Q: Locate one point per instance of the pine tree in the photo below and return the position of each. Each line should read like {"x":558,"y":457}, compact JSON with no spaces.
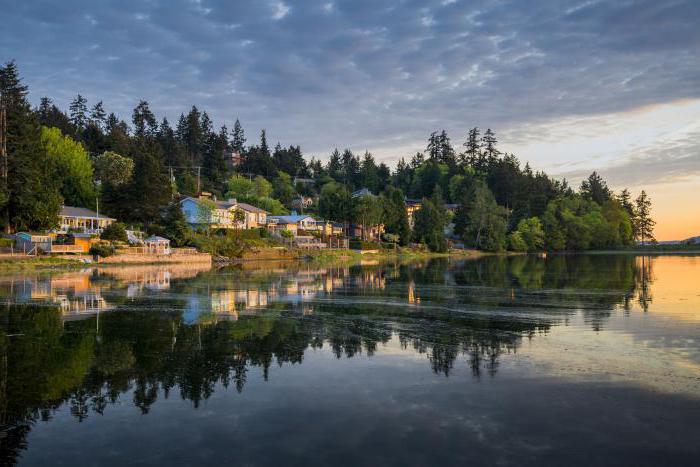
{"x":145,"y":123}
{"x":446,"y":152}
{"x":644,"y":224}
{"x":264,"y":148}
{"x":335,"y":166}
{"x":29,"y":197}
{"x":595,"y":189}
{"x":78,"y":112}
{"x":433,"y":148}
{"x":472,"y":144}
{"x":98,"y":115}
{"x":488,"y":143}
{"x":238,"y":138}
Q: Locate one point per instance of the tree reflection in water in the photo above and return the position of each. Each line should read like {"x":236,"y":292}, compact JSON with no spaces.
{"x":442,"y":309}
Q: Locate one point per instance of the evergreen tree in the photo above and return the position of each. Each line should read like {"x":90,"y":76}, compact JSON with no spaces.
{"x":395,"y":215}
{"x":369,"y":174}
{"x":471,"y":153}
{"x":78,"y":112}
{"x":144,"y":121}
{"x":595,"y":189}
{"x":264,"y":148}
{"x":29,"y":197}
{"x":214,"y":164}
{"x":238,"y":137}
{"x":98,"y":115}
{"x":51,"y":116}
{"x":428,"y":226}
{"x":644,"y":225}
{"x":351,"y":170}
{"x":335,"y":166}
{"x":488,"y":143}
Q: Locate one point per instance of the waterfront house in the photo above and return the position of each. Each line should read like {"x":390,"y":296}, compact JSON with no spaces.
{"x":33,"y":243}
{"x":254,"y":217}
{"x":228,"y":214}
{"x":293,"y":223}
{"x":73,"y":218}
{"x":205,"y":212}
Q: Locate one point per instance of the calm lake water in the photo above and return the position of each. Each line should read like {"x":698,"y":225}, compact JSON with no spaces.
{"x":569,"y":360}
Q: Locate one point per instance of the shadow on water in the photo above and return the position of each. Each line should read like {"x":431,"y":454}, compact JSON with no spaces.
{"x":82,"y":340}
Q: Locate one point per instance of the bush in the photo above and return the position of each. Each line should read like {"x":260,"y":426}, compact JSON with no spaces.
{"x":115,"y":231}
{"x":359,"y":244}
{"x":102,"y":249}
{"x":229,"y":246}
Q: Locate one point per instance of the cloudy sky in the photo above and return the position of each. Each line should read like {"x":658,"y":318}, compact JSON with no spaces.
{"x":569,"y":86}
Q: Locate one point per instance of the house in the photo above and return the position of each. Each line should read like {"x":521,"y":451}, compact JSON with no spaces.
{"x":229,"y":214}
{"x":85,"y":220}
{"x":156,"y":245}
{"x":293,"y":223}
{"x":73,"y":243}
{"x":205,"y":212}
{"x":254,"y":217}
{"x":33,"y":243}
{"x":302,"y":202}
{"x":233,"y":158}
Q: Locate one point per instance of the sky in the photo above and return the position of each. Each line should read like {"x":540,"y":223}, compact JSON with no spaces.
{"x":568,"y":86}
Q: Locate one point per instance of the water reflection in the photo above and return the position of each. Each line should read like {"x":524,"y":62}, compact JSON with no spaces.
{"x":185,"y":330}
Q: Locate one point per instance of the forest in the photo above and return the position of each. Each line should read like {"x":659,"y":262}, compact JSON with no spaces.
{"x":138,"y":170}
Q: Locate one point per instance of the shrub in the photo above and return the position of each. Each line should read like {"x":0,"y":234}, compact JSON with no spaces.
{"x":115,"y":231}
{"x":102,"y":249}
{"x":359,"y":244}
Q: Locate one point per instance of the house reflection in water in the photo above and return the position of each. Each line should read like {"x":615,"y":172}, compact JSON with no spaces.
{"x":74,"y":293}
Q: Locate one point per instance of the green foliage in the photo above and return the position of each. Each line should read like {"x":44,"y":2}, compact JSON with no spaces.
{"x":395,"y":215}
{"x":360,"y":244}
{"x":367,"y":211}
{"x":112,"y":168}
{"x":173,"y":226}
{"x":287,"y":234}
{"x":482,"y":222}
{"x":229,"y":246}
{"x":644,"y":224}
{"x":429,"y":223}
{"x":282,"y":188}
{"x":116,"y":231}
{"x":31,"y":198}
{"x":102,"y":249}
{"x":335,"y":203}
{"x":575,"y":223}
{"x":73,"y":167}
{"x":529,"y":236}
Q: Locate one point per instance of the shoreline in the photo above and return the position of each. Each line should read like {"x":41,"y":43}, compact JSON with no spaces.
{"x":51,"y":263}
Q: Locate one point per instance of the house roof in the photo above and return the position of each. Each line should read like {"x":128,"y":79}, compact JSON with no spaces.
{"x":250,"y":207}
{"x":74,"y":211}
{"x":227,"y":204}
{"x":361,"y":192}
{"x":291,"y":219}
{"x":156,"y":238}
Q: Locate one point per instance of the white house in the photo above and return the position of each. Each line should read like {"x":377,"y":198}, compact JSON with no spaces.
{"x":292,"y":223}
{"x":75,"y":218}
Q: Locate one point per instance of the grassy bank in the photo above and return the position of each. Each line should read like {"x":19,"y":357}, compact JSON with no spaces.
{"x":23,"y":263}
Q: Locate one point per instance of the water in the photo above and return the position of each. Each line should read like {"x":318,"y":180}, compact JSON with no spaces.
{"x":569,"y":360}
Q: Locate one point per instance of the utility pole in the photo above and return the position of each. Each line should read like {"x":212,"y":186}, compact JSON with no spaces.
{"x":199,"y":172}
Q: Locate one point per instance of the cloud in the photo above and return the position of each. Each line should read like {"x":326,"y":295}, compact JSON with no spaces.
{"x":361,"y":73}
